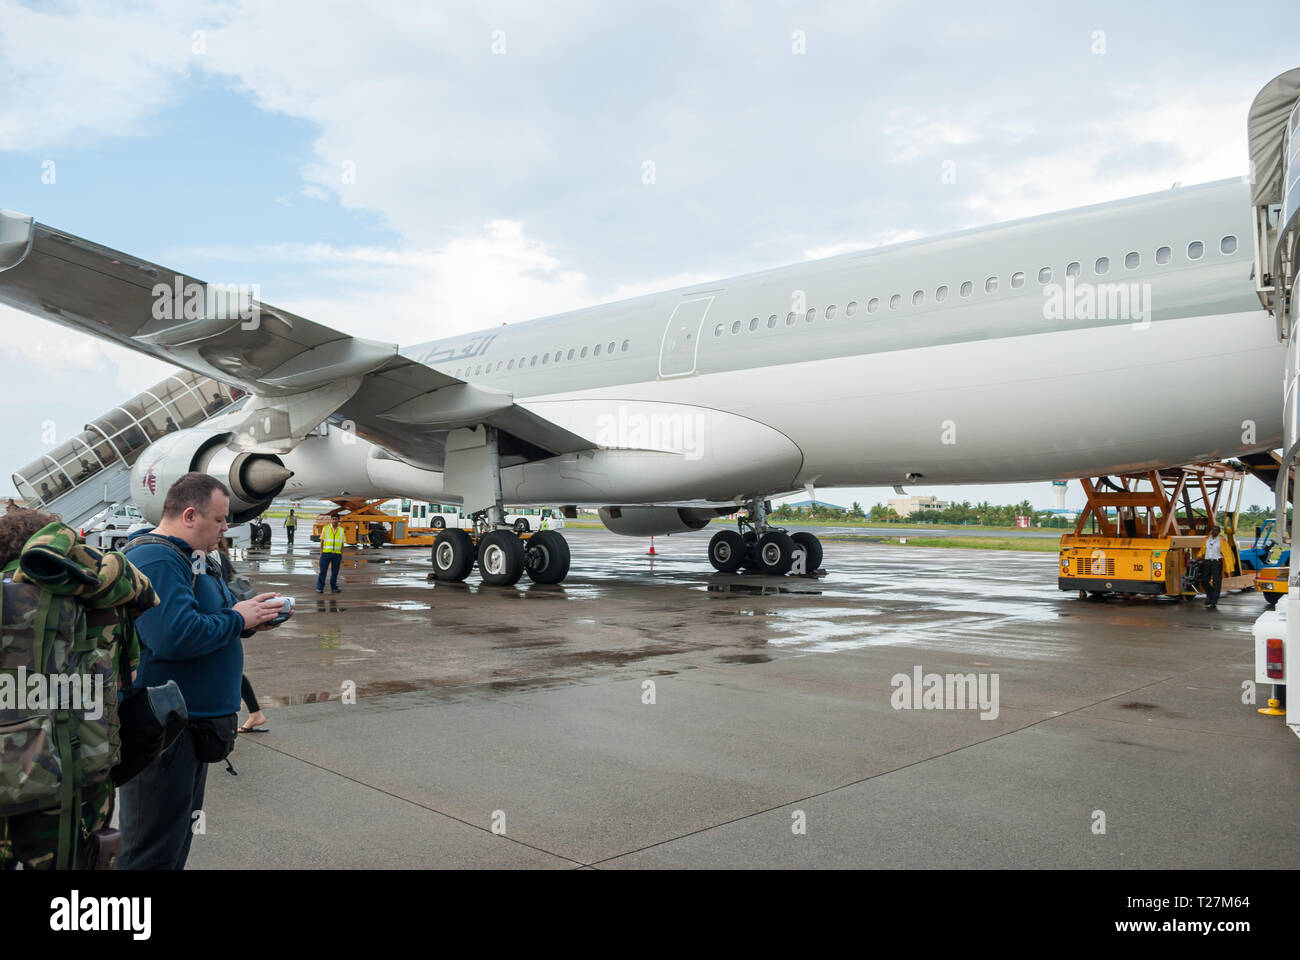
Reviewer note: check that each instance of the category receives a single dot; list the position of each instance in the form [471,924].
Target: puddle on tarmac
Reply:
[406,605]
[759,589]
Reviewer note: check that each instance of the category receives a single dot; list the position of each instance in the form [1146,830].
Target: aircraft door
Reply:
[681,340]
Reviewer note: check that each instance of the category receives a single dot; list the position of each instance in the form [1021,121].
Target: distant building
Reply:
[807,504]
[906,506]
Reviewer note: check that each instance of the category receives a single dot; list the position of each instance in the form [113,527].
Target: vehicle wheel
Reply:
[453,555]
[775,553]
[727,551]
[439,523]
[1271,599]
[812,548]
[501,558]
[546,557]
[378,537]
[1083,594]
[521,525]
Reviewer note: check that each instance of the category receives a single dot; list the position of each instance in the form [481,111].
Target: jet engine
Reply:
[658,521]
[254,479]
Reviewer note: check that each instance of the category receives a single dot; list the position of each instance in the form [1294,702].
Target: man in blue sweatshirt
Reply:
[192,637]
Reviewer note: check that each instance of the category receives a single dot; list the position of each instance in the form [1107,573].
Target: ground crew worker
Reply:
[1212,569]
[331,555]
[290,525]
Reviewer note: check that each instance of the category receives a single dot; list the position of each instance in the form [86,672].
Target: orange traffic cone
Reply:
[652,547]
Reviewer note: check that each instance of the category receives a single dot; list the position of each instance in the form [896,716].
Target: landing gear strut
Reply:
[755,545]
[503,553]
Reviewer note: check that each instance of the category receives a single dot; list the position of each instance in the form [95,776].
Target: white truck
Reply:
[109,529]
[439,516]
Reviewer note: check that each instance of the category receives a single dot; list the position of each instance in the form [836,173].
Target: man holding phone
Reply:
[192,637]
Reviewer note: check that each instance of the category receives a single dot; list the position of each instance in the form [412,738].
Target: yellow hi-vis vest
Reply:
[331,540]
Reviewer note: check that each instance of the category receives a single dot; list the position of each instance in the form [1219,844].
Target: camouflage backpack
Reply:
[66,640]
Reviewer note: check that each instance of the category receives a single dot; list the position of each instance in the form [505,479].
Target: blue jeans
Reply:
[157,808]
[330,562]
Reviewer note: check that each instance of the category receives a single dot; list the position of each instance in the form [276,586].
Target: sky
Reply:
[404,172]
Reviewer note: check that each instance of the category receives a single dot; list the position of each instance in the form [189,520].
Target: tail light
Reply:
[1273,658]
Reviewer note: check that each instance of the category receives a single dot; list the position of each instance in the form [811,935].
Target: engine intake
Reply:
[254,479]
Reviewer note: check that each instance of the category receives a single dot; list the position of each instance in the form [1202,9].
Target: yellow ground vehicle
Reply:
[363,523]
[1272,583]
[1131,539]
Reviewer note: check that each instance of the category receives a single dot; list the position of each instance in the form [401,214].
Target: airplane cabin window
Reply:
[1195,250]
[478,370]
[533,362]
[1102,266]
[895,300]
[1073,269]
[918,298]
[753,325]
[851,308]
[830,312]
[570,355]
[771,321]
[1163,255]
[811,315]
[1018,279]
[510,365]
[991,285]
[735,326]
[1132,260]
[498,366]
[558,355]
[583,354]
[1228,244]
[545,357]
[789,319]
[941,294]
[966,289]
[1045,275]
[717,331]
[627,343]
[612,345]
[873,305]
[596,352]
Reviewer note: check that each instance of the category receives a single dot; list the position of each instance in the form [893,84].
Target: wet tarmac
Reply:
[650,712]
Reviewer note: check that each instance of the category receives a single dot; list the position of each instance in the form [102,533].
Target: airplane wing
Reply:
[299,372]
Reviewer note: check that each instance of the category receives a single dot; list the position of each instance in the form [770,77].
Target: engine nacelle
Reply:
[659,521]
[254,479]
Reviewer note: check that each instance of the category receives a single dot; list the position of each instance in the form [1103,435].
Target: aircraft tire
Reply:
[453,556]
[501,558]
[1271,599]
[812,548]
[727,551]
[775,553]
[546,557]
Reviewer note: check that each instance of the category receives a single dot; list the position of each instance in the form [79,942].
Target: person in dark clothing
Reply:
[256,722]
[192,637]
[1212,569]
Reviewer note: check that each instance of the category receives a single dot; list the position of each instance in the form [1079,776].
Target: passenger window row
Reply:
[560,356]
[1132,260]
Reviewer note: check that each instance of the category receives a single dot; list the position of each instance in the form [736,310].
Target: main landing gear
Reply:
[503,557]
[756,546]
[503,553]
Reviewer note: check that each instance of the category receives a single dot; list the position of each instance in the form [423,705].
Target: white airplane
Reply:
[1108,339]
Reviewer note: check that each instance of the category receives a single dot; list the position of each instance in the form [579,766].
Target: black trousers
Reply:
[247,695]
[288,532]
[1212,579]
[157,808]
